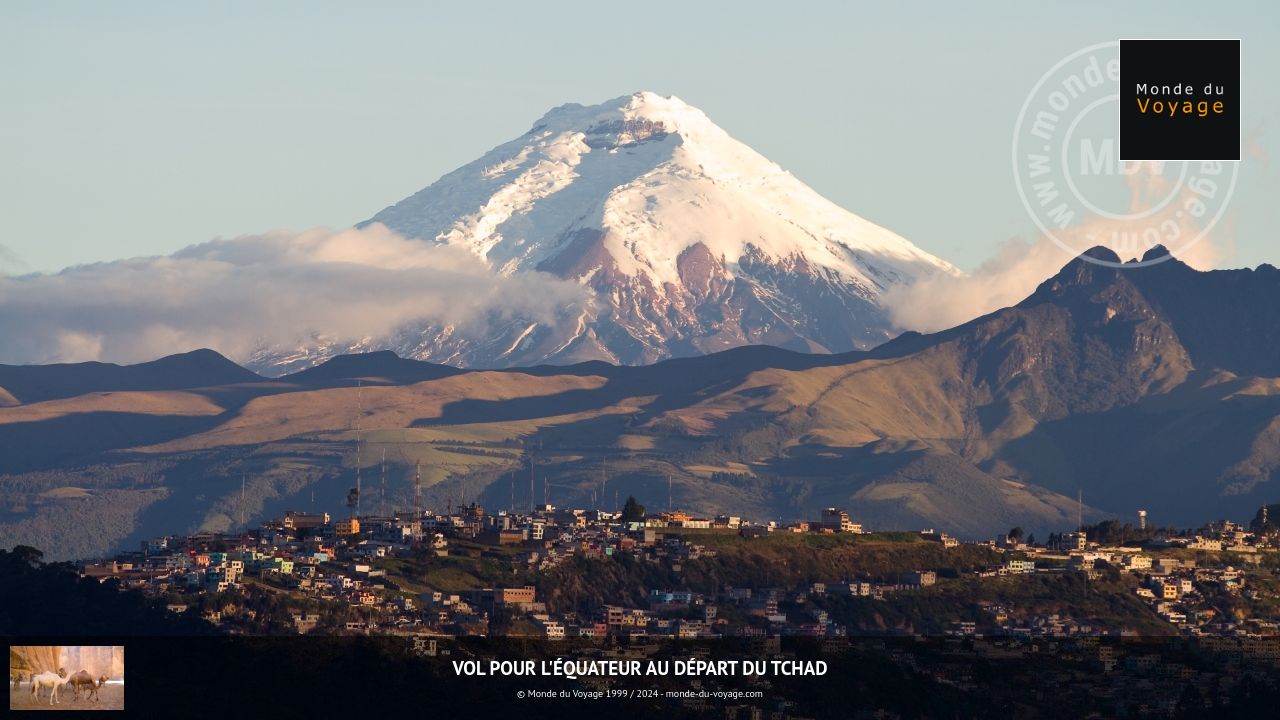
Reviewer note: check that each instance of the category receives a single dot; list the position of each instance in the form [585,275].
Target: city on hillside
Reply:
[558,573]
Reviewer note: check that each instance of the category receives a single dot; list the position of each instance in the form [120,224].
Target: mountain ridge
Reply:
[1105,382]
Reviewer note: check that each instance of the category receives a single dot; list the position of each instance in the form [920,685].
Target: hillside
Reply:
[1104,382]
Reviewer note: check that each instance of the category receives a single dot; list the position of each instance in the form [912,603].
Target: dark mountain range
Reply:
[198,368]
[1155,388]
[380,367]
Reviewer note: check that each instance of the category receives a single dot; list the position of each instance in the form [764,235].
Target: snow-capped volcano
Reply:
[687,240]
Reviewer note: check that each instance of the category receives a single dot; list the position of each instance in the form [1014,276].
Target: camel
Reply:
[84,680]
[52,680]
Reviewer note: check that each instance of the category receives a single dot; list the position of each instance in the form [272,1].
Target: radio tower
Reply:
[359,412]
[417,485]
[357,479]
[382,499]
[241,499]
[1079,510]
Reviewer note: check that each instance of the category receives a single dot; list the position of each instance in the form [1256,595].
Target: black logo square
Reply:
[1179,99]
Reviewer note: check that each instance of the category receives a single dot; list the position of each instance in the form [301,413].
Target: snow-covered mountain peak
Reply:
[670,113]
[687,240]
[652,176]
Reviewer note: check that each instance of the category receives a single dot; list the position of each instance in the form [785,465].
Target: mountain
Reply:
[198,368]
[381,367]
[689,242]
[1153,388]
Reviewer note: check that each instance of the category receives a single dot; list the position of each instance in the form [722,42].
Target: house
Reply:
[593,631]
[1136,562]
[424,645]
[1201,543]
[493,597]
[1074,541]
[304,521]
[276,565]
[837,520]
[553,629]
[1017,566]
[305,623]
[940,537]
[919,578]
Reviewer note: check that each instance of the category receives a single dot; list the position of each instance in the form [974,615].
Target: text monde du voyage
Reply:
[1180,99]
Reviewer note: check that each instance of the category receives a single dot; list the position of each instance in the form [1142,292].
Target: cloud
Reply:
[943,301]
[280,289]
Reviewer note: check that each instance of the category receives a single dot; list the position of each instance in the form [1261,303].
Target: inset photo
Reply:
[66,677]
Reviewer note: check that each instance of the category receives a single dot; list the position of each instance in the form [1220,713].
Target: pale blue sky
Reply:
[136,128]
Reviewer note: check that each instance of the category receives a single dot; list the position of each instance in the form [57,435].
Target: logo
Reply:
[1180,99]
[1080,194]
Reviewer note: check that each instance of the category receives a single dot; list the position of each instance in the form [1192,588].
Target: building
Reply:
[304,521]
[1020,566]
[919,578]
[940,537]
[350,526]
[553,629]
[1201,543]
[305,623]
[1136,562]
[837,520]
[493,597]
[1075,541]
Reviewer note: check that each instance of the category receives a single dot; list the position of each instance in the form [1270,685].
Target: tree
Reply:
[1015,535]
[632,511]
[1031,539]
[27,555]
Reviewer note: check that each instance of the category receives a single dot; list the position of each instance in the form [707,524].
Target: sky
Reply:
[139,128]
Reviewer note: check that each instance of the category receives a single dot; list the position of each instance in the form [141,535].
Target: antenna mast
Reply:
[417,485]
[382,500]
[1079,509]
[242,498]
[359,412]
